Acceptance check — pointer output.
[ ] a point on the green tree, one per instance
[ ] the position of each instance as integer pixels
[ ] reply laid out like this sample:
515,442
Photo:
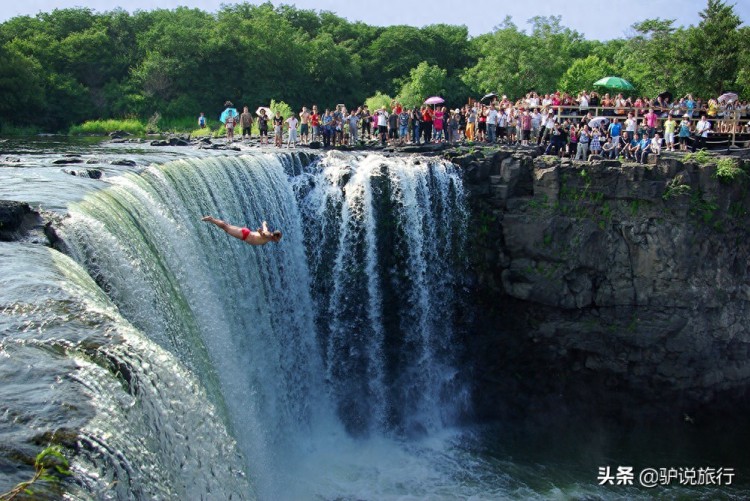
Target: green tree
713,49
378,101
21,86
650,59
743,75
584,72
424,81
512,62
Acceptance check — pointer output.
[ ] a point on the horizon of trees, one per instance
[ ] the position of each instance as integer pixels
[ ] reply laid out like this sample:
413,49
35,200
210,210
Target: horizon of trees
70,65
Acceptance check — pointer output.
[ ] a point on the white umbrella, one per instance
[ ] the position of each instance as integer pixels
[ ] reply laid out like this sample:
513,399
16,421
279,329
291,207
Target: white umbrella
598,121
728,97
268,111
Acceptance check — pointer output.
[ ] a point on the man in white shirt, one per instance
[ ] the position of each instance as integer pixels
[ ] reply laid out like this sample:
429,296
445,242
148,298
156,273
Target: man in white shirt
292,123
502,125
583,103
630,124
702,129
491,124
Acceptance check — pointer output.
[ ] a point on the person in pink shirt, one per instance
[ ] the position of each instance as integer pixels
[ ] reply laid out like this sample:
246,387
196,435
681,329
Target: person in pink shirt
651,120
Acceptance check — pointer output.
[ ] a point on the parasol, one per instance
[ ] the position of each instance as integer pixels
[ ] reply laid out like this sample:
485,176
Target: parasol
489,96
229,112
597,122
727,97
269,112
666,95
434,100
614,83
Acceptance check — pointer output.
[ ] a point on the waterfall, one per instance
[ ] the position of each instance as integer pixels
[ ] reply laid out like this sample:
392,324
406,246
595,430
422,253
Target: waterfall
347,324
385,240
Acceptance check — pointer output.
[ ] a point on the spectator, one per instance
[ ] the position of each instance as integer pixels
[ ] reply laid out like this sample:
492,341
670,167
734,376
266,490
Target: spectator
641,149
655,146
609,148
651,119
292,123
437,123
246,122
353,127
632,148
491,124
555,144
382,121
278,124
304,127
631,124
315,123
416,120
595,143
614,130
583,144
229,124
366,121
669,127
427,124
328,128
471,124
263,126
702,128
536,124
572,141
525,127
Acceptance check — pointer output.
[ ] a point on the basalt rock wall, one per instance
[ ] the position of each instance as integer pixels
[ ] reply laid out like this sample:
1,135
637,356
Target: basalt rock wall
608,289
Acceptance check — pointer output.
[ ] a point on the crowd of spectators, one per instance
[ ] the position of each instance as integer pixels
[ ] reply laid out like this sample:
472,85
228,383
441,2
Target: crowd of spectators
609,125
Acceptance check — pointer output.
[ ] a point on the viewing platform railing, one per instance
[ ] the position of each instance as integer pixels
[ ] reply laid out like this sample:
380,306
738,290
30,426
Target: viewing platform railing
728,125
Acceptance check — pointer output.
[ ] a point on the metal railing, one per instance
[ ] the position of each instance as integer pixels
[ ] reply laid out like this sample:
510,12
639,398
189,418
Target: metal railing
731,117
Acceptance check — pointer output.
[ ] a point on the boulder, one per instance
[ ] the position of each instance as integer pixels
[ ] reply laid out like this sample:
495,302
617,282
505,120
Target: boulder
13,215
125,163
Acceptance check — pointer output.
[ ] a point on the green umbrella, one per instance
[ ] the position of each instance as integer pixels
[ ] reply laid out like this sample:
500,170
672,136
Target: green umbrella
614,83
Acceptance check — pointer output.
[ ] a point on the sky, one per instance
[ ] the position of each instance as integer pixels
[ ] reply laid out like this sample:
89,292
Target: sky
595,19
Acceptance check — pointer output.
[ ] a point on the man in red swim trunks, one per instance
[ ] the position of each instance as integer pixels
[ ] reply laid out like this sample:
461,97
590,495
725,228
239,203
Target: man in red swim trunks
261,236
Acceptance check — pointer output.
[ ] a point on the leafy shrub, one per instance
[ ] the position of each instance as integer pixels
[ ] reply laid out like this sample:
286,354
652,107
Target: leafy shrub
378,101
205,132
675,188
104,127
727,170
281,107
700,157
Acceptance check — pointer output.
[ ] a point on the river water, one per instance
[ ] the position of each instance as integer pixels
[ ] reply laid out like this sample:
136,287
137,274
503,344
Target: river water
175,362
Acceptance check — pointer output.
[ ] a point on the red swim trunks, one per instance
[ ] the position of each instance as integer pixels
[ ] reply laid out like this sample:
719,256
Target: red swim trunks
245,233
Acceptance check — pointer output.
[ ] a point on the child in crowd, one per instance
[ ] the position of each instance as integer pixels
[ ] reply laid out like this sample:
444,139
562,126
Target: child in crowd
596,145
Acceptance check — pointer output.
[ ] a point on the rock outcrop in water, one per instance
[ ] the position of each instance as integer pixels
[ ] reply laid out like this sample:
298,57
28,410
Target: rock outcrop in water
16,219
616,289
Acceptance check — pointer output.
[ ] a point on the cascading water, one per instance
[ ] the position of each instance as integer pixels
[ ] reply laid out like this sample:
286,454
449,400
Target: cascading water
348,323
385,242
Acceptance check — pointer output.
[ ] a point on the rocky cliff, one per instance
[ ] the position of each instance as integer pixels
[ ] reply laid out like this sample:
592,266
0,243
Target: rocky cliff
621,290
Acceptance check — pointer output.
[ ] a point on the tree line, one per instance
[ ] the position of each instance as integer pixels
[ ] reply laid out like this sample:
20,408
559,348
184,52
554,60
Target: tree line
71,65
